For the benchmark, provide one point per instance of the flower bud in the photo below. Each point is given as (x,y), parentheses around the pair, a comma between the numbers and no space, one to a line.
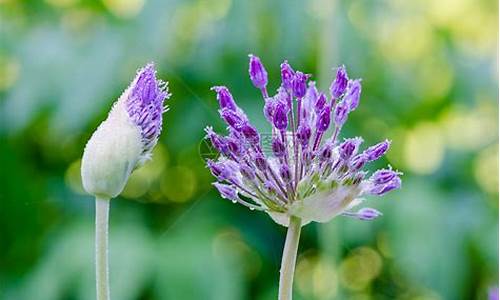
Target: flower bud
(261,162)
(353,94)
(358,162)
(247,172)
(233,118)
(218,142)
(225,98)
(280,119)
(303,134)
(126,138)
(258,73)
(341,112)
(287,75)
(226,191)
(339,85)
(299,84)
(349,147)
(368,214)
(377,151)
(324,119)
(383,176)
(320,103)
(325,152)
(279,149)
(380,189)
(250,134)
(285,173)
(269,107)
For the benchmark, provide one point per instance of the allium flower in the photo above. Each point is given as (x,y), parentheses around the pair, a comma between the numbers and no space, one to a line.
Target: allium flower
(307,174)
(120,144)
(328,185)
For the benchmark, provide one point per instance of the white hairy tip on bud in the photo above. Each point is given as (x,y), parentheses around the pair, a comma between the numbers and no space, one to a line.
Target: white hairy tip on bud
(112,153)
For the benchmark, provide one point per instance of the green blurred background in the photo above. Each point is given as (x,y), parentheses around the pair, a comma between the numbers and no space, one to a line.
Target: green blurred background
(430,83)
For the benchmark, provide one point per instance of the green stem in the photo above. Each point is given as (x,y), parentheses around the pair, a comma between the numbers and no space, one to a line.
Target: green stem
(101,248)
(289,258)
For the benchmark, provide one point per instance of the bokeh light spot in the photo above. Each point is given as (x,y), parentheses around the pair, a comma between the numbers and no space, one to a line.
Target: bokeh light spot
(486,170)
(360,268)
(179,184)
(316,277)
(73,177)
(124,8)
(9,72)
(424,148)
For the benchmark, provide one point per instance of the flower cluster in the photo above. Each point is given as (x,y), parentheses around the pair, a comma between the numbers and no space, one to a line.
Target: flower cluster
(309,173)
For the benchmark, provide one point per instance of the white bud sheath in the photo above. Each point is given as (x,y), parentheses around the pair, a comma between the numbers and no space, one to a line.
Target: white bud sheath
(112,153)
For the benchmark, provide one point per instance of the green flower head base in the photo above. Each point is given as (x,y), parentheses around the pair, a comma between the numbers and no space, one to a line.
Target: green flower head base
(308,173)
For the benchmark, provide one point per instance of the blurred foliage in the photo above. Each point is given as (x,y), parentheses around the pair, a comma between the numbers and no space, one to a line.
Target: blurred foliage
(430,83)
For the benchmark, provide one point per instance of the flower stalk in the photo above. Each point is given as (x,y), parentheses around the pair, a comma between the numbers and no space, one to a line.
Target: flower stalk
(289,258)
(101,248)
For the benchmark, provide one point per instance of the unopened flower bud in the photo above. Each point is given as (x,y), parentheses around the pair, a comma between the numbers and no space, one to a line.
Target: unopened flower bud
(226,191)
(279,149)
(269,107)
(299,84)
(383,176)
(126,138)
(339,85)
(320,103)
(358,162)
(285,173)
(380,189)
(258,73)
(247,172)
(377,151)
(233,118)
(349,147)
(324,119)
(303,134)
(341,112)
(225,98)
(280,119)
(368,214)
(287,75)
(353,94)
(250,134)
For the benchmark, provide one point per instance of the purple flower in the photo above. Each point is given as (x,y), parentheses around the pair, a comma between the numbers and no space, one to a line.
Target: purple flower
(381,189)
(258,73)
(233,118)
(353,94)
(145,105)
(280,119)
(323,119)
(377,151)
(384,176)
(287,75)
(303,134)
(250,134)
(341,113)
(340,83)
(368,214)
(285,173)
(226,191)
(269,106)
(279,149)
(225,98)
(299,84)
(358,162)
(218,142)
(308,173)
